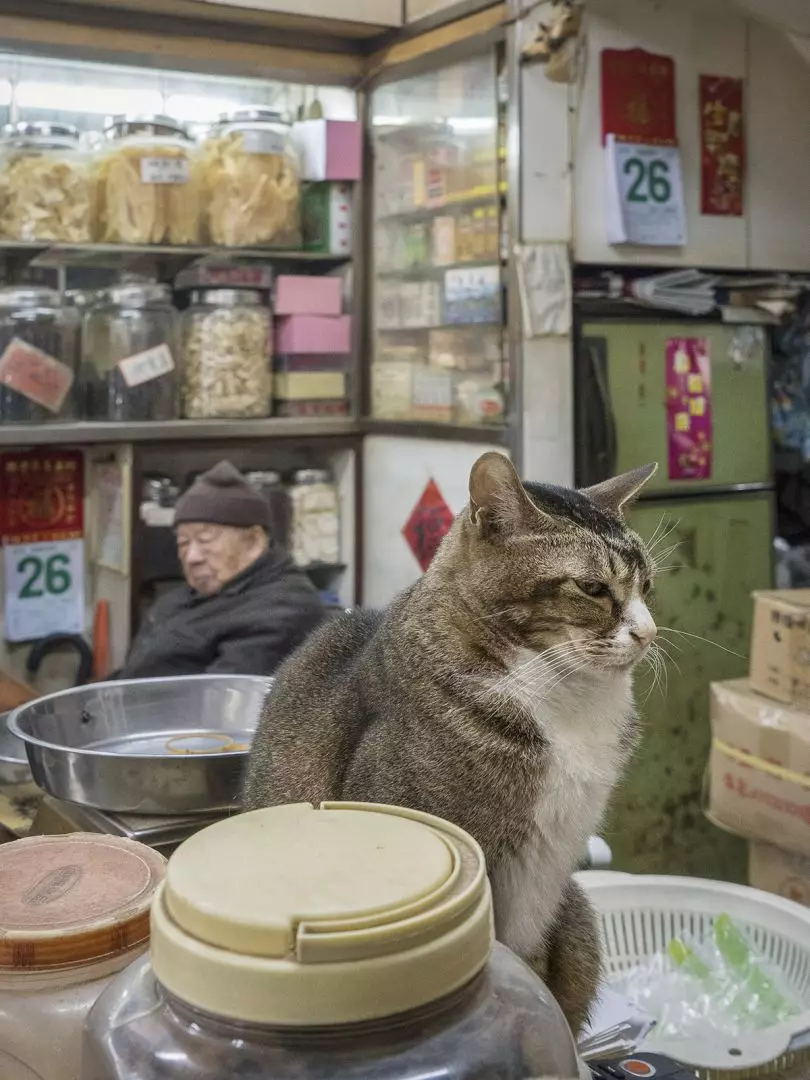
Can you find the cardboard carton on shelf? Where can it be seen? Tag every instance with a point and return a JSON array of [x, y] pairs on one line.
[[780, 872], [780, 645], [759, 770]]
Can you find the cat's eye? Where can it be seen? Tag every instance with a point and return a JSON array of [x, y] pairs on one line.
[[596, 589]]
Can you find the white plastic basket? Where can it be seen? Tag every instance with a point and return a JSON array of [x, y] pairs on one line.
[[640, 915]]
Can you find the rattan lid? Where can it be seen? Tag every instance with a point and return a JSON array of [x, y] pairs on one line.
[[74, 899]]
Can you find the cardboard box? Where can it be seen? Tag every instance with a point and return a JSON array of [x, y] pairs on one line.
[[329, 149], [306, 294], [780, 872], [326, 218], [314, 334], [780, 645], [759, 770]]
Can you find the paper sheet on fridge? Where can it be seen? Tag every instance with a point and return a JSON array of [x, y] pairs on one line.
[[544, 280]]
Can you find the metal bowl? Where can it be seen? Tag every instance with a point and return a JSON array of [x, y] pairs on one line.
[[13, 760], [151, 746]]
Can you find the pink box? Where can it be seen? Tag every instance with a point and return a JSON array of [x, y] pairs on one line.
[[305, 294], [329, 149], [313, 334]]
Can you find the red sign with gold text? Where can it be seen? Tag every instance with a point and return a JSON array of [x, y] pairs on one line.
[[638, 97], [428, 524], [41, 496], [722, 146]]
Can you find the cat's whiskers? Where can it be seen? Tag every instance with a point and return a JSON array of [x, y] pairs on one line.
[[699, 637]]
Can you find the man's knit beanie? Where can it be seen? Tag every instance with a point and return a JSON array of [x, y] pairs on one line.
[[222, 496]]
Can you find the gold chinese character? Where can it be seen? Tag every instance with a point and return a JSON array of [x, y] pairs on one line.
[[694, 383], [682, 421], [697, 406]]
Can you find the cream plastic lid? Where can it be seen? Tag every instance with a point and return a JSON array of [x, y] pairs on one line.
[[296, 916]]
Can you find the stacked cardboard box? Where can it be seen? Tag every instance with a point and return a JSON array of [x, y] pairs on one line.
[[759, 775]]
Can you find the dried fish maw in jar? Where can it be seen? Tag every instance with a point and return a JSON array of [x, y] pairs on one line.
[[46, 189], [148, 183], [251, 181]]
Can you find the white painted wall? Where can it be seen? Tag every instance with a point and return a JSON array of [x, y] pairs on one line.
[[395, 473]]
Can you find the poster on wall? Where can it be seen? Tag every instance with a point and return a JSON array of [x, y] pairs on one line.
[[643, 177], [430, 520], [722, 146], [42, 527], [689, 409]]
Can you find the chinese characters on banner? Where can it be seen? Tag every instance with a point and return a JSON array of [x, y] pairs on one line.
[[41, 524], [426, 527], [689, 408], [638, 97], [722, 142]]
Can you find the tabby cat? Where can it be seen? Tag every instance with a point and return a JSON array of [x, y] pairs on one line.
[[496, 692]]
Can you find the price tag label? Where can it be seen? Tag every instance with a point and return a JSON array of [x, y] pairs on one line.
[[645, 195], [164, 170], [145, 366], [44, 589], [263, 142], [35, 374]]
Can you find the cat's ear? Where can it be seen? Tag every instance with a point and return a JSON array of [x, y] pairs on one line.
[[499, 504], [613, 495]]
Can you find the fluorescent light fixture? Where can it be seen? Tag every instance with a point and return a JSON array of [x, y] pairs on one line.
[[472, 124], [391, 121], [101, 100], [199, 109]]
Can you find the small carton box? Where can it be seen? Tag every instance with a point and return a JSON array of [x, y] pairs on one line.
[[313, 334], [780, 645], [326, 218], [759, 770], [309, 386], [329, 149], [780, 872], [307, 294]]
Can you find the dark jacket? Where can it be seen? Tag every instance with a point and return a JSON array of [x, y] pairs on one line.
[[247, 628]]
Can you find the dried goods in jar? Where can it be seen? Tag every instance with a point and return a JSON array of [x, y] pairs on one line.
[[38, 357], [46, 188], [149, 185], [226, 355], [251, 183]]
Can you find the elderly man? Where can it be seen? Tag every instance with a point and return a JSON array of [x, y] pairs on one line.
[[244, 607]]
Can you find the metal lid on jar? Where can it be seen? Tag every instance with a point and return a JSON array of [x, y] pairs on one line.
[[312, 476], [29, 296], [74, 899], [253, 115], [228, 297], [297, 916], [263, 477], [139, 294], [146, 124], [41, 133]]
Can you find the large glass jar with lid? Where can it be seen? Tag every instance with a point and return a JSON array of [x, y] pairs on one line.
[[39, 356], [315, 519], [343, 943], [148, 183], [129, 355], [46, 187], [251, 181], [227, 345]]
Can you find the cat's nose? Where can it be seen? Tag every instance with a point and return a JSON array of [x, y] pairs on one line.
[[644, 633]]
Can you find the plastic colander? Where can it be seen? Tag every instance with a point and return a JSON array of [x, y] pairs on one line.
[[640, 915]]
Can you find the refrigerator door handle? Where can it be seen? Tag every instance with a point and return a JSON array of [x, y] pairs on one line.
[[606, 408]]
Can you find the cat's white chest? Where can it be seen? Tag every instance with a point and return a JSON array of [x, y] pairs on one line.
[[583, 721]]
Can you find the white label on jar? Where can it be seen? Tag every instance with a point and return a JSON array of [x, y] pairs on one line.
[[35, 374], [263, 142], [164, 170], [147, 365]]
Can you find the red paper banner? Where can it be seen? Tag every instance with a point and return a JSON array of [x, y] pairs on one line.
[[689, 409], [638, 97], [426, 527], [41, 496], [722, 140]]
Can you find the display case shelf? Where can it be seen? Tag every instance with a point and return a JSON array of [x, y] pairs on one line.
[[88, 434], [446, 206], [430, 273]]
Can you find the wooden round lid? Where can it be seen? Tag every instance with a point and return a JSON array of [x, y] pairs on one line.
[[73, 899]]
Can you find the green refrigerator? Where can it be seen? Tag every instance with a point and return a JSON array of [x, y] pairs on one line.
[[693, 397]]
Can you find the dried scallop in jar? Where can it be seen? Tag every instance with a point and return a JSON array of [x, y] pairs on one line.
[[251, 181], [148, 184], [46, 190]]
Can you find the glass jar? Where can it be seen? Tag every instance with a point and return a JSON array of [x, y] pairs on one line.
[[227, 346], [315, 522], [129, 346], [251, 181], [345, 943], [269, 484], [148, 183], [74, 912], [46, 187], [39, 355]]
